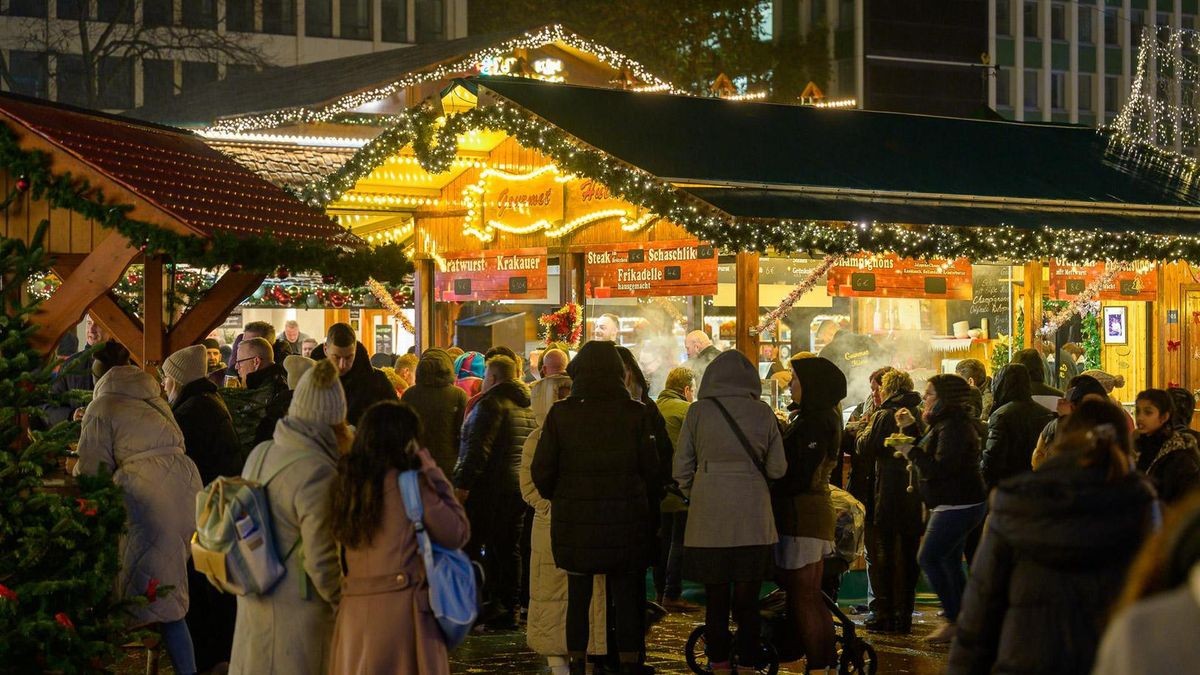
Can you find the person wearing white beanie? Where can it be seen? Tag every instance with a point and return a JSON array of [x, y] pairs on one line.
[[296, 366], [288, 630], [183, 368]]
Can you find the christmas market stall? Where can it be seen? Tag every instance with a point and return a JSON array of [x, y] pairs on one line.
[[779, 227]]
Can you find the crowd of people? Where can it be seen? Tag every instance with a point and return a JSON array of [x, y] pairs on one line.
[[567, 482]]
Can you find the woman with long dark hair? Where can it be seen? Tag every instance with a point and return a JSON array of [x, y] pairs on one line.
[[381, 624], [1168, 456]]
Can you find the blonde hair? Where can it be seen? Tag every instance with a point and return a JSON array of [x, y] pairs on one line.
[[893, 382]]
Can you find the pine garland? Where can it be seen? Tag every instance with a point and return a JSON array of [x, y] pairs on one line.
[[261, 253]]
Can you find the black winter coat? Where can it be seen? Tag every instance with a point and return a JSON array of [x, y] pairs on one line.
[[208, 434], [1171, 460], [892, 507], [364, 384], [1053, 557], [440, 406], [1014, 427], [947, 460], [597, 464], [492, 441]]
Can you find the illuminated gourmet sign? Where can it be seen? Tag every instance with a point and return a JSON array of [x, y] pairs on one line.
[[684, 267], [542, 68], [514, 274], [890, 276]]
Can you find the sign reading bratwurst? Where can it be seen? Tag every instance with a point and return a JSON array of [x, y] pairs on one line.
[[513, 274], [684, 267]]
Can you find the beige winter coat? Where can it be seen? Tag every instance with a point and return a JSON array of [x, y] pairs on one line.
[[128, 430], [289, 629], [546, 630]]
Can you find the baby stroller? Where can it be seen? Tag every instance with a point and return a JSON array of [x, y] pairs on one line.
[[777, 642]]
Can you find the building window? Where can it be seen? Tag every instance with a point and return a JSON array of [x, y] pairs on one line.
[[318, 18], [114, 11], [1112, 93], [1031, 18], [197, 74], [235, 70], [1032, 89], [1086, 27], [114, 88], [356, 19], [1137, 22], [200, 14], [1058, 22], [1004, 18], [72, 9], [68, 79], [1112, 28], [158, 12], [1058, 91], [846, 14], [395, 21], [32, 8], [817, 11], [1083, 95], [1162, 19], [29, 72], [1003, 88], [846, 70], [279, 17], [158, 80], [239, 15], [431, 16]]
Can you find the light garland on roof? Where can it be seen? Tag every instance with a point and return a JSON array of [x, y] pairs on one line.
[[535, 40]]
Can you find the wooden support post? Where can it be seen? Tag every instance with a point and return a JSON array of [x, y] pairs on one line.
[[119, 326], [747, 304], [230, 290], [154, 337], [1031, 302], [571, 278], [423, 298], [82, 284]]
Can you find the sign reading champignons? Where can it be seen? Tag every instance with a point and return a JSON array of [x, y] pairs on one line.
[[890, 276], [682, 267], [512, 274]]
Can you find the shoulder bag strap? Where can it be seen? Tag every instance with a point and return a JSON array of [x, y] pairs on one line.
[[410, 492], [737, 430]]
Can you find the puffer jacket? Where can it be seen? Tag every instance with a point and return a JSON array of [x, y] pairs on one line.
[[1053, 557], [493, 437], [257, 408], [440, 406], [893, 507], [599, 483], [364, 384], [947, 460], [208, 433], [128, 430], [1014, 426], [812, 446], [1171, 460]]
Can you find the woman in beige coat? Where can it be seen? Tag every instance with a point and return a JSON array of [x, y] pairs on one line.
[[128, 430], [546, 628], [384, 623]]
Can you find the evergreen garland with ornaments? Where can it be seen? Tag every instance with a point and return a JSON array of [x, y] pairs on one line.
[[563, 325]]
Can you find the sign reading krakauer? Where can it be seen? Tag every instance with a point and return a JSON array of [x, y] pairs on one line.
[[513, 274], [683, 267]]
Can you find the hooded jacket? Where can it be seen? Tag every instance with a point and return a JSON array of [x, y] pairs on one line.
[[493, 437], [730, 500], [1171, 461], [947, 460], [1036, 367], [596, 462], [1052, 559], [208, 433], [440, 406], [893, 507], [364, 384], [812, 444], [1013, 427]]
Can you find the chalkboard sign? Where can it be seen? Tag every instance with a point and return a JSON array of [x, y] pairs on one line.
[[991, 298]]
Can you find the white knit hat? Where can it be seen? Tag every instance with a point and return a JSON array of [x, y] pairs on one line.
[[296, 366], [319, 397], [187, 365]]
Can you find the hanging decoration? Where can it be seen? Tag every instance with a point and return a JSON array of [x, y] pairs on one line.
[[801, 288], [1084, 304], [388, 301], [563, 325], [189, 287], [668, 305]]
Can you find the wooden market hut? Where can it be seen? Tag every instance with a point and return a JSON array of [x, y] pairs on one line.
[[117, 192], [751, 178]]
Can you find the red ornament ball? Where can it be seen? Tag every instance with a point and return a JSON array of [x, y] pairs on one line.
[[337, 300], [282, 273], [328, 279], [235, 267], [22, 184]]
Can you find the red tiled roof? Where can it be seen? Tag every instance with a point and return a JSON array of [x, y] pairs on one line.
[[176, 171]]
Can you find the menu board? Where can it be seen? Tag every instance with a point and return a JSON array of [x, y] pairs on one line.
[[1138, 283], [992, 298], [889, 276], [682, 267], [511, 274]]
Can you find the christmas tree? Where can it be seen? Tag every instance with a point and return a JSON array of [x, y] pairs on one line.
[[58, 535]]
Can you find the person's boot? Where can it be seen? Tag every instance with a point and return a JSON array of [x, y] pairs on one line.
[[944, 635], [880, 624]]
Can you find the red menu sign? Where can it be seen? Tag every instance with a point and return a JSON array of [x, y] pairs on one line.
[[684, 267], [513, 274], [1140, 282], [890, 276]]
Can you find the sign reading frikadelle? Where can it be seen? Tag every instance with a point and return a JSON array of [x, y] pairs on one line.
[[510, 274], [682, 267]]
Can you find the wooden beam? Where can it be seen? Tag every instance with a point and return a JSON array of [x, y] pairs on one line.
[[154, 337], [423, 285], [746, 314], [230, 290], [118, 325], [82, 285], [1031, 302]]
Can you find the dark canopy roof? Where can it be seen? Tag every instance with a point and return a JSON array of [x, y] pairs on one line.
[[783, 161]]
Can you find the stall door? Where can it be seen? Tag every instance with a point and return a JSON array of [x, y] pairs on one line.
[[1131, 358], [1191, 339]]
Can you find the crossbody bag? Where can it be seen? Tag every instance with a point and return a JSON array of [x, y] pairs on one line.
[[759, 464]]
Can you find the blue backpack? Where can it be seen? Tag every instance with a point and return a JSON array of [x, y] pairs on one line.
[[453, 595]]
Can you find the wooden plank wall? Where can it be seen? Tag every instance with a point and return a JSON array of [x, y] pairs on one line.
[[69, 232]]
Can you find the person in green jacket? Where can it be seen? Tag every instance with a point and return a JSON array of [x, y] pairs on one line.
[[673, 402]]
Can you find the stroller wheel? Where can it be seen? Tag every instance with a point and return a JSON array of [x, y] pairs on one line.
[[696, 653], [858, 658], [767, 662]]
